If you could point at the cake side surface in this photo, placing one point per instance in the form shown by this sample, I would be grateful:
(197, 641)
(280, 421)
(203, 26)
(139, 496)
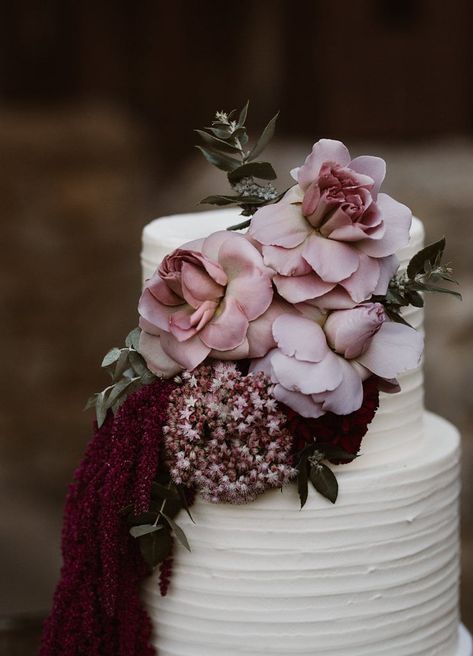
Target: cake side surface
(397, 429)
(376, 574)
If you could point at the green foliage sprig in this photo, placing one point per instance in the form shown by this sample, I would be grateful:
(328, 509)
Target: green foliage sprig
(156, 528)
(423, 274)
(128, 371)
(225, 146)
(312, 468)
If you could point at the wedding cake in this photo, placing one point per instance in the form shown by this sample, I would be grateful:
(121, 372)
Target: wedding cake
(376, 574)
(263, 477)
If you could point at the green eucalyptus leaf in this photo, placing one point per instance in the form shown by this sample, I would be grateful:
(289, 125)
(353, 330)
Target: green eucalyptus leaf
(240, 226)
(122, 364)
(440, 290)
(118, 389)
(302, 481)
(101, 407)
(261, 170)
(133, 338)
(178, 532)
(216, 143)
(91, 402)
(335, 452)
(163, 491)
(138, 363)
(414, 298)
(182, 496)
(431, 253)
(395, 316)
(155, 547)
(264, 139)
(144, 529)
(221, 161)
(324, 481)
(243, 114)
(222, 133)
(111, 357)
(220, 200)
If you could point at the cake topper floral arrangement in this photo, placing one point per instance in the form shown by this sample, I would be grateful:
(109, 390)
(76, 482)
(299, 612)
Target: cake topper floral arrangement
(258, 361)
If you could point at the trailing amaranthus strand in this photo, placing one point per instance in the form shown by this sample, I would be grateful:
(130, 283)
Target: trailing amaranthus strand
(97, 609)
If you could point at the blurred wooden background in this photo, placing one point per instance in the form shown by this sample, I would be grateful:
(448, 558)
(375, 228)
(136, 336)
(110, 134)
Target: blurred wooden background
(97, 106)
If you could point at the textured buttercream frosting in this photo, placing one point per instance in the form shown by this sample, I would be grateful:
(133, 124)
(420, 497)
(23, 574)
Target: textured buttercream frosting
(376, 574)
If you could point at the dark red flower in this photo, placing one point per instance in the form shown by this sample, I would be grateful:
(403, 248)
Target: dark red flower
(344, 431)
(97, 609)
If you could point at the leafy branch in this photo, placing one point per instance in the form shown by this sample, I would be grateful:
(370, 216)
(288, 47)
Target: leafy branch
(225, 146)
(128, 371)
(156, 528)
(423, 274)
(312, 468)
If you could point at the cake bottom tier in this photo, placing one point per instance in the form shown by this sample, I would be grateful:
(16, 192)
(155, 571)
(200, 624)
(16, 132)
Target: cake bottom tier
(376, 574)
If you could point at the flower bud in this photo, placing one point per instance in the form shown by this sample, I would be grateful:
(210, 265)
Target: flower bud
(349, 332)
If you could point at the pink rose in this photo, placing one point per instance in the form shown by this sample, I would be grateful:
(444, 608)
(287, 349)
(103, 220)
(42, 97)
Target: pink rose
(349, 332)
(312, 379)
(332, 238)
(215, 301)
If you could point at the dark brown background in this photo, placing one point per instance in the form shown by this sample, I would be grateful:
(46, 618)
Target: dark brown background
(97, 105)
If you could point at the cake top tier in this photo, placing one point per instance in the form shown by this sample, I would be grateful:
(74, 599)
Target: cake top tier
(167, 233)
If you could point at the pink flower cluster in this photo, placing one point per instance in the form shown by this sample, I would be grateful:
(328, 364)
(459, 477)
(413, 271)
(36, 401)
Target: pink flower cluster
(294, 294)
(226, 436)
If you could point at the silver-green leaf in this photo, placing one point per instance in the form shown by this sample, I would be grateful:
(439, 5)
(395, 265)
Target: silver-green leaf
(178, 532)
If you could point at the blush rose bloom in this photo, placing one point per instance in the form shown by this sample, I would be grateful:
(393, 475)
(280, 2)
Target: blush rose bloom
(215, 298)
(319, 369)
(331, 239)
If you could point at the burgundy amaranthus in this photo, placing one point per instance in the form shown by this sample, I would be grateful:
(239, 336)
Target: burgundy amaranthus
(226, 435)
(97, 609)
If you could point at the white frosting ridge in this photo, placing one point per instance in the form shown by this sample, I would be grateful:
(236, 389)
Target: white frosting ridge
(376, 574)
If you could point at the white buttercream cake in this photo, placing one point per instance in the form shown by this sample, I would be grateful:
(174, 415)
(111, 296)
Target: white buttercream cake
(376, 574)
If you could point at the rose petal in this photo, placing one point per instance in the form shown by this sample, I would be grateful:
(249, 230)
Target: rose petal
(161, 291)
(189, 354)
(156, 313)
(260, 331)
(336, 299)
(241, 352)
(397, 219)
(198, 286)
(263, 364)
(303, 404)
(287, 262)
(212, 244)
(300, 337)
(331, 260)
(297, 289)
(395, 348)
(310, 311)
(156, 358)
(228, 329)
(249, 280)
(388, 266)
(325, 150)
(280, 224)
(345, 398)
(375, 167)
(361, 284)
(307, 377)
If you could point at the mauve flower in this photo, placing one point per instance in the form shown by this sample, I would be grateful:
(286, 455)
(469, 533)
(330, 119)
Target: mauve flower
(312, 379)
(217, 300)
(332, 237)
(348, 332)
